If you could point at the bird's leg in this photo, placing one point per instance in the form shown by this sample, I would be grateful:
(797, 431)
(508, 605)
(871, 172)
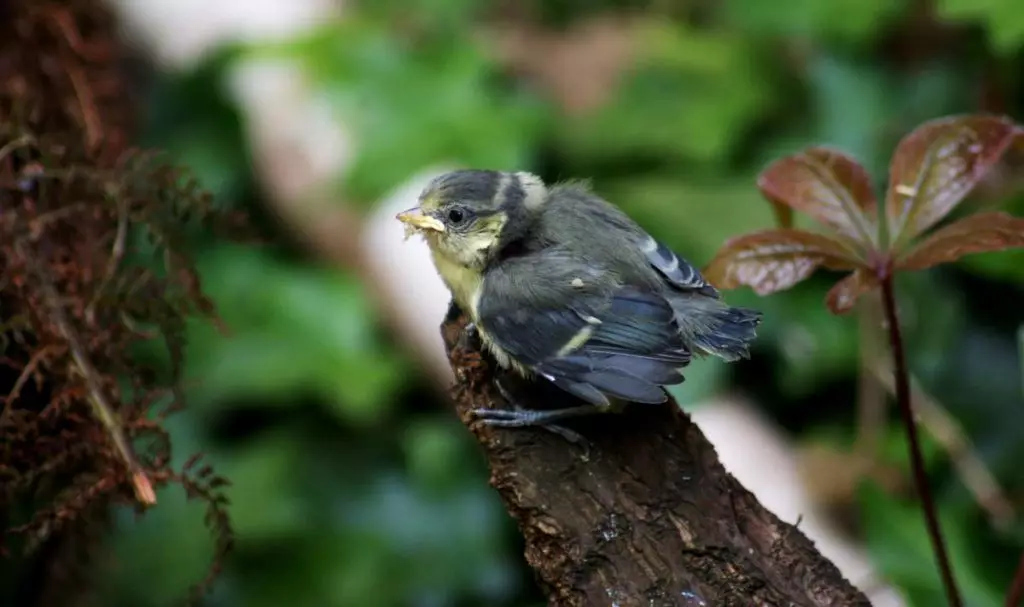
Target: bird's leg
(469, 333)
(468, 338)
(521, 417)
(530, 417)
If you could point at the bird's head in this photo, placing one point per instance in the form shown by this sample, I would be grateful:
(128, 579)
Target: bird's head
(468, 216)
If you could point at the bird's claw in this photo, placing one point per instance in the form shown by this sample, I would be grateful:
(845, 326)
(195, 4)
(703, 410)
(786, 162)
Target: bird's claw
(522, 418)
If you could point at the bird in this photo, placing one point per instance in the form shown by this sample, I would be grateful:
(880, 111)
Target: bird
(560, 283)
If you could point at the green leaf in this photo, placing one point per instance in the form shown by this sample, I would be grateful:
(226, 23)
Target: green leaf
(862, 107)
(694, 217)
(705, 378)
(433, 450)
(142, 575)
(894, 450)
(408, 106)
(268, 467)
(1002, 19)
(900, 548)
(192, 118)
(440, 543)
(691, 96)
(813, 345)
(852, 100)
(839, 20)
(295, 330)
(431, 15)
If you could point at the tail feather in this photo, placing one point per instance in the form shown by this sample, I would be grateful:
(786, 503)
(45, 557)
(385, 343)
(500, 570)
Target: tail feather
(731, 338)
(712, 327)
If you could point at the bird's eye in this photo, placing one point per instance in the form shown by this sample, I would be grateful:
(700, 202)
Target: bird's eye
(456, 215)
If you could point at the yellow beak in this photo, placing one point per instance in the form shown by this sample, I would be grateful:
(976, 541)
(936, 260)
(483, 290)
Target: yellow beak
(415, 218)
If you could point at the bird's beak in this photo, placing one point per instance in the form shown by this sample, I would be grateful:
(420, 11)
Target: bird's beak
(415, 218)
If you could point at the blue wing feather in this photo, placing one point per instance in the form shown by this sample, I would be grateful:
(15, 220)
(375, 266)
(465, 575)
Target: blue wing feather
(676, 270)
(634, 345)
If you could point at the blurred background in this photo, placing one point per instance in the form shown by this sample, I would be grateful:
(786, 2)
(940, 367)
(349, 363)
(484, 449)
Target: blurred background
(353, 482)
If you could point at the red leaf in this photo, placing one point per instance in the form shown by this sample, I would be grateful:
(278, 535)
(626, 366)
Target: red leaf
(980, 233)
(774, 260)
(827, 185)
(844, 294)
(936, 165)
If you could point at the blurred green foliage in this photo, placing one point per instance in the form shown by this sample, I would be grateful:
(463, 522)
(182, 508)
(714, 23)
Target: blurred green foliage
(391, 92)
(354, 485)
(1002, 19)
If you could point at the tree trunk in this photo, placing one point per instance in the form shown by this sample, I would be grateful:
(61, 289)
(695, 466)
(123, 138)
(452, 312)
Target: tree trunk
(644, 514)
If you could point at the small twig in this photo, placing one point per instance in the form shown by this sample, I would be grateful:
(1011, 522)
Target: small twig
(134, 327)
(90, 115)
(1015, 596)
(116, 256)
(102, 409)
(916, 458)
(26, 373)
(37, 224)
(65, 24)
(14, 144)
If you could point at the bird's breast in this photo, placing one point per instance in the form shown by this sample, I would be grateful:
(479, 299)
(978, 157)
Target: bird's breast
(466, 286)
(463, 283)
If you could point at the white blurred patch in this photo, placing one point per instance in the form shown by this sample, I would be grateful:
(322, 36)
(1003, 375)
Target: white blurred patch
(299, 142)
(405, 274)
(180, 32)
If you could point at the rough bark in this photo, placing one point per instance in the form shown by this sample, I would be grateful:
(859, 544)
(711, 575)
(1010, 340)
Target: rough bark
(644, 514)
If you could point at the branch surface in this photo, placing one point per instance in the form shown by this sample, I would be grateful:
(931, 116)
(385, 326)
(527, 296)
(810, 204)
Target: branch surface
(643, 515)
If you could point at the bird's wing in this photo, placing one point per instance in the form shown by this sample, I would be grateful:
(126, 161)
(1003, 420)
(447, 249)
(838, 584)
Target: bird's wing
(680, 273)
(595, 339)
(576, 207)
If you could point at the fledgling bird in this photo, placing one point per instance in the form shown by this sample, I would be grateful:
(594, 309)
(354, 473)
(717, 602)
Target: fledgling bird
(559, 283)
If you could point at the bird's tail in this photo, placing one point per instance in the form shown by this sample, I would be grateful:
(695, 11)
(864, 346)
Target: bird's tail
(712, 327)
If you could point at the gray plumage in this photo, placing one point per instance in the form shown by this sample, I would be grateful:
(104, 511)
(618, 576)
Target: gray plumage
(567, 286)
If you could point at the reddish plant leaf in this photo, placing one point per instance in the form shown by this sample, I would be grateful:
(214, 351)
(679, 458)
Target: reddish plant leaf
(827, 185)
(936, 165)
(980, 233)
(844, 294)
(774, 260)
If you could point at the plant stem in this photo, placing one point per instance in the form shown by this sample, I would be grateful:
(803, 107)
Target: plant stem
(1016, 593)
(101, 407)
(924, 493)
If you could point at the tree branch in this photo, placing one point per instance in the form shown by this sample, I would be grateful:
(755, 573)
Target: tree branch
(645, 516)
